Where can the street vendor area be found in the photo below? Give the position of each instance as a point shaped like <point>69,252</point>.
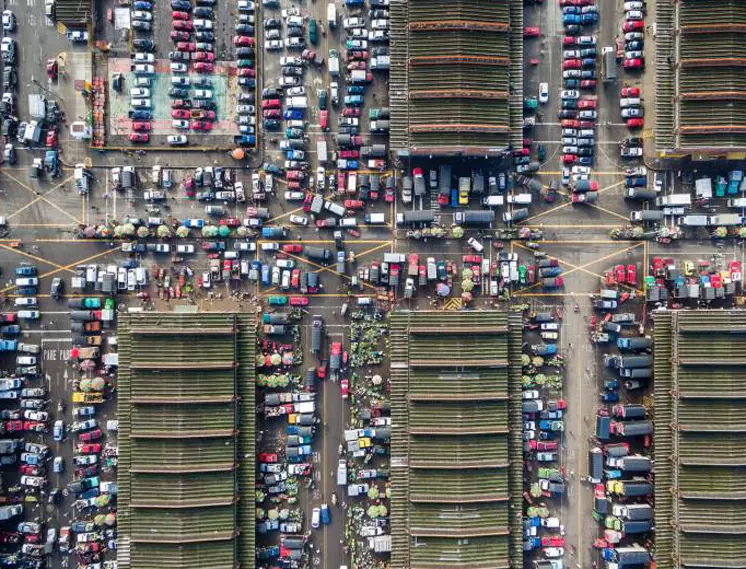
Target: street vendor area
<point>699,409</point>
<point>222,86</point>
<point>456,457</point>
<point>186,444</point>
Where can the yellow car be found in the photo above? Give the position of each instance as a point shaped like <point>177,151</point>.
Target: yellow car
<point>463,197</point>
<point>364,442</point>
<point>688,268</point>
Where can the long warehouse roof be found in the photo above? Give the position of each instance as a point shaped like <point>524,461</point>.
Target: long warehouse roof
<point>700,434</point>
<point>456,440</point>
<point>185,405</point>
<point>701,66</point>
<point>456,83</point>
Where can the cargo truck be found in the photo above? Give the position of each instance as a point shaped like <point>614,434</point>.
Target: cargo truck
<point>647,215</point>
<point>629,362</point>
<point>635,344</point>
<point>674,200</point>
<point>474,217</point>
<point>317,333</point>
<point>631,428</point>
<point>417,216</point>
<point>629,488</point>
<point>629,412</point>
<point>633,512</point>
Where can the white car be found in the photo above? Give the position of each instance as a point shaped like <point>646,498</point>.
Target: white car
<point>245,109</point>
<point>26,301</point>
<point>141,57</point>
<point>140,103</point>
<point>543,93</point>
<point>202,24</point>
<point>139,92</point>
<point>635,15</point>
<point>289,81</point>
<point>206,282</point>
<point>571,94</point>
<point>273,45</point>
<point>185,248</point>
<point>531,394</point>
<point>349,23</point>
<point>628,6</point>
<point>476,245</point>
<point>295,196</point>
<point>27,281</point>
<point>144,69</point>
<point>177,139</point>
<point>294,61</point>
<point>315,518</point>
<point>142,15</point>
<point>297,43</point>
<point>296,91</point>
<point>571,54</point>
<point>294,21</point>
<point>380,24</point>
<point>202,94</point>
<point>245,6</point>
<point>177,67</point>
<point>182,124</point>
<point>299,220</point>
<point>180,81</point>
<point>9,21</point>
<point>290,12</point>
<point>378,35</point>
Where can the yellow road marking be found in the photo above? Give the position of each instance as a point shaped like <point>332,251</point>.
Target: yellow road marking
<point>30,189</point>
<point>39,198</point>
<point>564,205</point>
<point>34,257</point>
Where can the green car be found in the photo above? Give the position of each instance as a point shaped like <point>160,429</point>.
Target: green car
<point>523,274</point>
<point>109,304</point>
<point>91,303</point>
<point>277,300</point>
<point>178,93</point>
<point>530,103</point>
<point>245,63</point>
<point>720,186</point>
<point>313,34</point>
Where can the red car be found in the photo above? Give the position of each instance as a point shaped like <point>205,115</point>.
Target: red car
<point>295,278</point>
<point>34,426</point>
<point>351,112</point>
<point>13,426</point>
<point>349,154</point>
<point>243,40</point>
<point>569,158</point>
<point>140,126</point>
<point>230,222</point>
<point>51,138</point>
<point>271,104</point>
<point>569,41</point>
<point>179,15</point>
<point>569,123</point>
<point>292,248</point>
<point>543,445</point>
<point>246,72</point>
<point>90,436</point>
<point>89,449</point>
<point>204,56</point>
<point>269,457</point>
<point>91,547</point>
<point>345,388</point>
<point>180,114</point>
<point>177,35</point>
<point>7,318</point>
<point>531,32</point>
<point>181,104</point>
<point>294,175</point>
<point>272,114</point>
<point>321,371</point>
<point>633,25</point>
<point>632,63</point>
<point>354,204</point>
<point>630,92</point>
<point>185,46</point>
<point>353,65</point>
<point>139,137</point>
<point>735,271</point>
<point>390,195</point>
<point>635,123</point>
<point>183,25</point>
<point>572,64</point>
<point>553,541</point>
<point>298,301</point>
<point>586,104</point>
<point>588,84</point>
<point>202,67</point>
<point>357,55</point>
<point>201,125</point>
<point>620,274</point>
<point>631,275</point>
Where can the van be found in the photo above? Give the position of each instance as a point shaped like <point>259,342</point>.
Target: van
<point>493,201</point>
<point>141,276</point>
<point>334,208</point>
<point>375,218</point>
<point>476,245</point>
<point>342,472</point>
<point>522,199</point>
<point>647,215</point>
<point>317,333</point>
<point>215,210</point>
<point>695,220</point>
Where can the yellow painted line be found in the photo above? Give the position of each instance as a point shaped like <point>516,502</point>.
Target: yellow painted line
<point>30,189</point>
<point>563,262</point>
<point>573,226</point>
<point>580,242</point>
<point>558,294</point>
<point>39,198</point>
<point>324,241</point>
<point>615,214</point>
<point>564,205</point>
<point>322,295</point>
<point>33,257</point>
<point>44,225</point>
<point>559,173</point>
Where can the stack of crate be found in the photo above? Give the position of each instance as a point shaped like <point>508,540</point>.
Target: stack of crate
<point>99,112</point>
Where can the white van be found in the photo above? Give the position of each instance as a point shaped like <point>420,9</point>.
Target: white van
<point>476,245</point>
<point>523,199</point>
<point>375,218</point>
<point>141,276</point>
<point>493,201</point>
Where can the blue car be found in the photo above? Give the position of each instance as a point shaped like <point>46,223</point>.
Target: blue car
<point>355,90</point>
<point>8,345</point>
<point>141,5</point>
<point>10,330</point>
<point>245,140</point>
<point>26,271</point>
<point>571,19</point>
<point>26,291</point>
<point>588,19</point>
<point>454,198</point>
<point>293,115</point>
<point>181,5</point>
<point>266,277</point>
<point>354,100</point>
<point>325,518</point>
<point>141,114</point>
<point>571,10</point>
<point>585,160</point>
<point>296,155</point>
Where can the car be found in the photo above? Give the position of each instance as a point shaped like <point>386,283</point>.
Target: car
<point>201,125</point>
<point>142,16</point>
<point>176,140</point>
<point>634,63</point>
<point>316,518</point>
<point>543,93</point>
<point>635,123</point>
<point>633,25</point>
<point>531,31</point>
<point>184,25</point>
<point>140,125</point>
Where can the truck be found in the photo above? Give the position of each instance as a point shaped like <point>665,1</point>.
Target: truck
<point>726,219</point>
<point>636,373</point>
<point>630,488</point>
<point>474,216</point>
<point>646,215</point>
<point>331,15</point>
<point>333,63</point>
<point>516,215</point>
<point>373,151</point>
<point>631,428</point>
<point>629,362</point>
<point>317,333</point>
<point>639,194</point>
<point>595,465</point>
<point>644,344</point>
<point>635,555</point>
<point>630,411</point>
<point>37,106</point>
<point>609,64</point>
<point>321,151</point>
<point>317,253</point>
<point>415,216</point>
<point>674,200</point>
<point>342,472</point>
<point>632,512</point>
<point>296,102</point>
<point>635,463</point>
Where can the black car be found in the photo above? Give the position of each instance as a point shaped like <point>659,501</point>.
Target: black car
<point>203,12</point>
<point>295,31</point>
<point>202,83</point>
<point>178,93</point>
<point>245,29</point>
<point>10,126</point>
<point>10,78</point>
<point>206,104</point>
<point>568,114</point>
<point>383,50</point>
<point>206,2</point>
<point>178,55</point>
<point>247,82</point>
<point>271,93</point>
<point>143,44</point>
<point>292,71</point>
<point>140,114</point>
<point>271,124</point>
<point>244,52</point>
<point>272,23</point>
<point>585,151</point>
<point>246,98</point>
<point>204,36</point>
<point>588,74</point>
